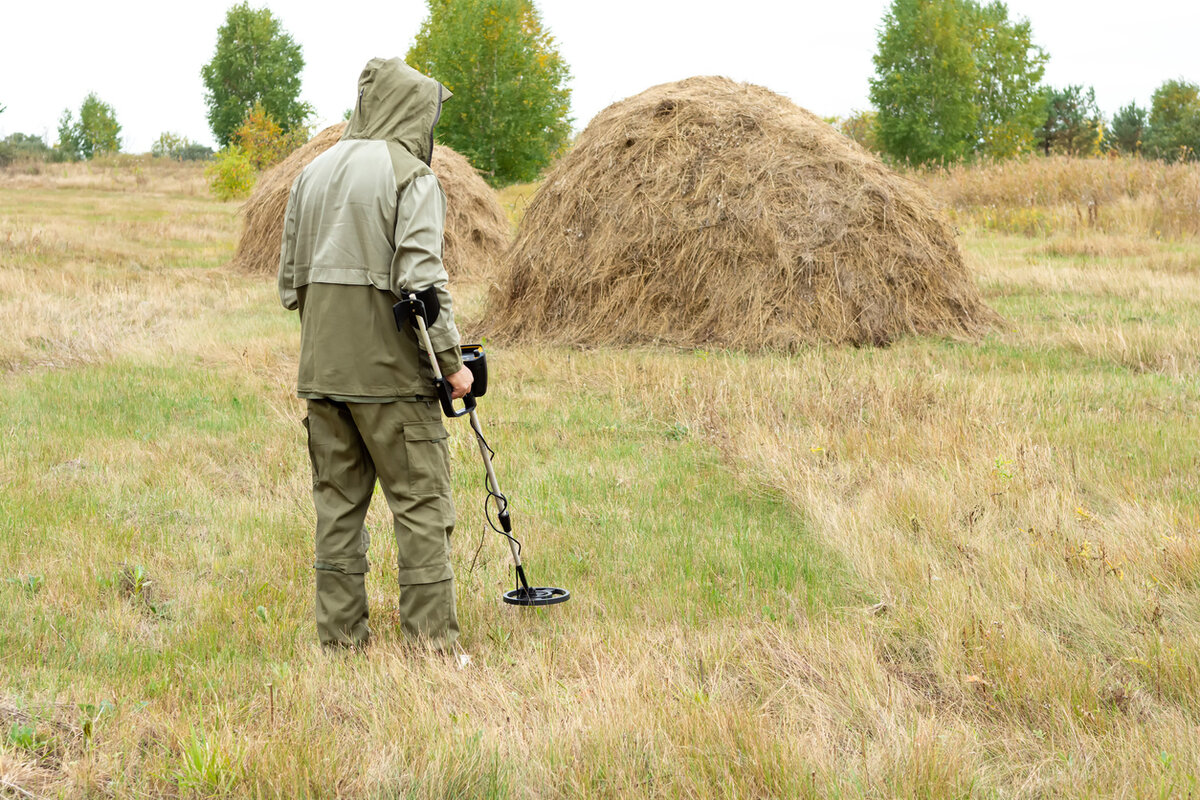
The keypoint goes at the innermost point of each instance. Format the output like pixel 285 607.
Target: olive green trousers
pixel 403 444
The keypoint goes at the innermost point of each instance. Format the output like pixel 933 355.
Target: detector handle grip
pixel 443 391
pixel 474 359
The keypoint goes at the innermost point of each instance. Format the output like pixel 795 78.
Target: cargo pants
pixel 404 445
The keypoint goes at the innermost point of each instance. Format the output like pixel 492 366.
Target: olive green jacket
pixel 364 223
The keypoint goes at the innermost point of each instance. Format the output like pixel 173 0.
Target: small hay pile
pixel 477 231
pixel 262 234
pixel 476 234
pixel 708 212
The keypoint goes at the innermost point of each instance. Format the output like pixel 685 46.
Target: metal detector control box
pixel 475 360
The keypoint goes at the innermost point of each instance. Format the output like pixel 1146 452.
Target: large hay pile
pixel 709 212
pixel 476 234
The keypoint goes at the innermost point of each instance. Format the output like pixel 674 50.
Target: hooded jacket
pixel 364 223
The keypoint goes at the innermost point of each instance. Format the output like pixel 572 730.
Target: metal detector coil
pixel 421 308
pixel 537 596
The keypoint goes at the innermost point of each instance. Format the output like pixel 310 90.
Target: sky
pixel 144 58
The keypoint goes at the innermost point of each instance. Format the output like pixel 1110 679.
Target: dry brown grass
pixel 708 212
pixel 476 231
pixel 63 303
pixel 1039 196
pixel 120 173
pixel 1024 513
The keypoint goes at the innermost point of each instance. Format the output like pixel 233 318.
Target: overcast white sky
pixel 144 56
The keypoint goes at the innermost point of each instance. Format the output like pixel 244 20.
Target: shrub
pixel 862 127
pixel 195 152
pixel 263 141
pixel 180 148
pixel 231 175
pixel 21 146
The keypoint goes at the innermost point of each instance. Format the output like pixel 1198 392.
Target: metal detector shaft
pixel 427 344
pixel 494 485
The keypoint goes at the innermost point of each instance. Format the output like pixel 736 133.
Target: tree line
pixel 954 80
pixel 960 79
pixel 510 115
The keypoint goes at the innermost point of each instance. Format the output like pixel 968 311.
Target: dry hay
pixel 476 233
pixel 709 212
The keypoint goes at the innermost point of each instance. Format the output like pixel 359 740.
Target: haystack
pixel 713 213
pixel 476 234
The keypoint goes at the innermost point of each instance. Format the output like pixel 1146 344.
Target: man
pixel 363 225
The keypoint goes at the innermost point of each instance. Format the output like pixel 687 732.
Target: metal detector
pixel 421 308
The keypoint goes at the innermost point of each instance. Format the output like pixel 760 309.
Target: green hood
pixel 397 104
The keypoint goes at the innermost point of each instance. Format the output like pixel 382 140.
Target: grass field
pixel 941 569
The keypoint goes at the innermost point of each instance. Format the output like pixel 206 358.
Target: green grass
pixel 186 474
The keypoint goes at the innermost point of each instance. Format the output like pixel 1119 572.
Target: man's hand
pixel 460 383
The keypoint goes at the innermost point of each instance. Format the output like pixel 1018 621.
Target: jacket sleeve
pixel 287 254
pixel 417 265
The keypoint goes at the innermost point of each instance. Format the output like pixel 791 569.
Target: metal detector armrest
pixel 422 304
pixel 421 309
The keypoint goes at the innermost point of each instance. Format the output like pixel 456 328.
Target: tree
pixel 255 61
pixel 1127 130
pixel 1010 69
pixel 168 144
pixel 1073 124
pixel 510 111
pixel 924 84
pixel 97 131
pixel 1174 125
pixel 67 143
pixel 954 78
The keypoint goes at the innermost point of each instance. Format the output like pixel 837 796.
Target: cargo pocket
pixel 428 458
